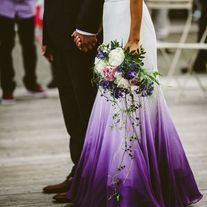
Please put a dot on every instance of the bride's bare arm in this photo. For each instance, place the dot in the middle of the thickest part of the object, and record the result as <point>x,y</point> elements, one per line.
<point>136,7</point>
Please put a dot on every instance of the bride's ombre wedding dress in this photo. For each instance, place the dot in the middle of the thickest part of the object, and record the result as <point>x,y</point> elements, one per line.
<point>159,175</point>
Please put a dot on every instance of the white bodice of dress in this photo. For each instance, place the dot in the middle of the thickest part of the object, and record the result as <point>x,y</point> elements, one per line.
<point>116,26</point>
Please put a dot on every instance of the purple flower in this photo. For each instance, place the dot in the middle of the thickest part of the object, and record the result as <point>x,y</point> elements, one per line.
<point>131,74</point>
<point>150,90</point>
<point>143,87</point>
<point>119,69</point>
<point>133,66</point>
<point>101,54</point>
<point>144,94</point>
<point>104,84</point>
<point>117,93</point>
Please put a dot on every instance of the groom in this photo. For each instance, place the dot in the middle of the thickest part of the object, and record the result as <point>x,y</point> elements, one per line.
<point>66,22</point>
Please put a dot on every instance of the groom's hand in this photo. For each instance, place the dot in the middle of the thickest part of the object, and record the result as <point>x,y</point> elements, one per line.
<point>84,42</point>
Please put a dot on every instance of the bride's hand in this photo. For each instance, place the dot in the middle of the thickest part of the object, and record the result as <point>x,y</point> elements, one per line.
<point>133,46</point>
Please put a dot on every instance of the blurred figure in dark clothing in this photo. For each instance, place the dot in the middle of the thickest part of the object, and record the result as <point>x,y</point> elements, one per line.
<point>20,13</point>
<point>39,24</point>
<point>201,60</point>
<point>162,23</point>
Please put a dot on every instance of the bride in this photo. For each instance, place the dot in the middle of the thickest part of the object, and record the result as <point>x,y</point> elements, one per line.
<point>159,175</point>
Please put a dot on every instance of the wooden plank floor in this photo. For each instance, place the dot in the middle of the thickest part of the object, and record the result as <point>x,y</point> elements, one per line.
<point>34,145</point>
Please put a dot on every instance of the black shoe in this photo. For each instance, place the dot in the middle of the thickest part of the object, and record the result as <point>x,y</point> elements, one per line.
<point>61,198</point>
<point>72,205</point>
<point>52,84</point>
<point>58,188</point>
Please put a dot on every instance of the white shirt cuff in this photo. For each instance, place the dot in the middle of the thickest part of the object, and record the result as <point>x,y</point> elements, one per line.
<point>84,33</point>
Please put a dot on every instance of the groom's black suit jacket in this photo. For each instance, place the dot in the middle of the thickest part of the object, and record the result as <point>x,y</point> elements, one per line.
<point>62,17</point>
<point>73,67</point>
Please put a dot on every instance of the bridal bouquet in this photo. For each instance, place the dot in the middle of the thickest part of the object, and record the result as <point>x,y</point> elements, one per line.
<point>120,75</point>
<point>121,71</point>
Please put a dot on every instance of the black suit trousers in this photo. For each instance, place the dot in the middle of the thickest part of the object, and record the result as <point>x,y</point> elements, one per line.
<point>27,40</point>
<point>73,70</point>
<point>202,55</point>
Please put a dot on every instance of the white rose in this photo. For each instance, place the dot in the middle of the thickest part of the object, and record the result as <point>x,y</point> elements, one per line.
<point>123,83</point>
<point>116,57</point>
<point>100,65</point>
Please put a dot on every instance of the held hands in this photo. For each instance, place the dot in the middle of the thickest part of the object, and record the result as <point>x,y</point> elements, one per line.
<point>84,43</point>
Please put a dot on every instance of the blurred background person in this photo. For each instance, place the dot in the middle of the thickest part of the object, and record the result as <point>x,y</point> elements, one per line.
<point>161,22</point>
<point>38,31</point>
<point>201,60</point>
<point>21,14</point>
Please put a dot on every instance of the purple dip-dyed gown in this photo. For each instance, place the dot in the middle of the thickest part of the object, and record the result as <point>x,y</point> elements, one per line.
<point>159,175</point>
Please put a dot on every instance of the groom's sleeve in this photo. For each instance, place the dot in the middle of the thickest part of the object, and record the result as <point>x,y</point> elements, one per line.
<point>90,16</point>
<point>84,33</point>
<point>45,37</point>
